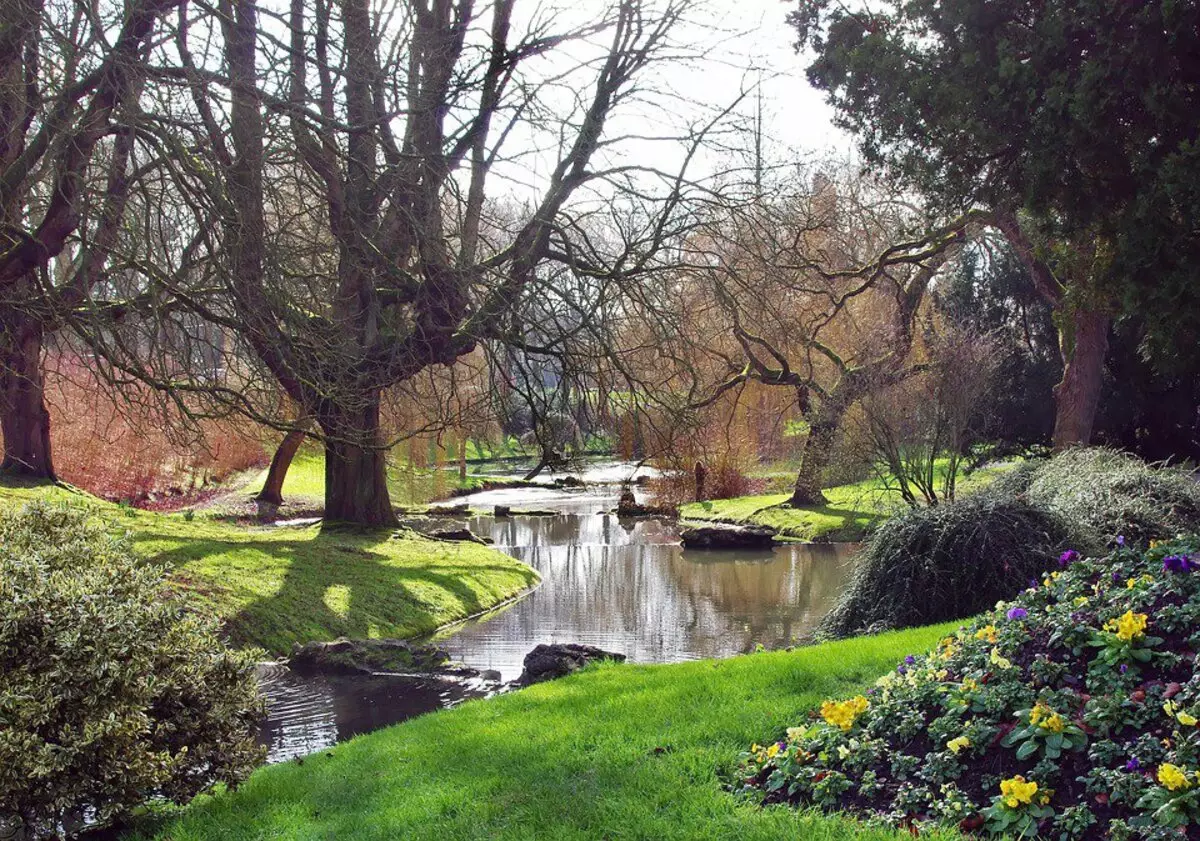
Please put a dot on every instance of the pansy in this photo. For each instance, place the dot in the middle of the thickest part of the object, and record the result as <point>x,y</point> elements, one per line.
<point>957,744</point>
<point>1133,764</point>
<point>1177,563</point>
<point>997,659</point>
<point>842,714</point>
<point>988,633</point>
<point>1128,627</point>
<point>1015,613</point>
<point>1173,777</point>
<point>1016,791</point>
<point>1068,557</point>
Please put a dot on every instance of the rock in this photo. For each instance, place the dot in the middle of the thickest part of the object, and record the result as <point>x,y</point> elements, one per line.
<point>346,656</point>
<point>722,536</point>
<point>569,482</point>
<point>547,662</point>
<point>628,506</point>
<point>462,510</point>
<point>462,534</point>
<point>502,511</point>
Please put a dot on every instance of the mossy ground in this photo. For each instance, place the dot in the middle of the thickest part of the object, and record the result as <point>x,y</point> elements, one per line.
<point>618,752</point>
<point>852,509</point>
<point>276,586</point>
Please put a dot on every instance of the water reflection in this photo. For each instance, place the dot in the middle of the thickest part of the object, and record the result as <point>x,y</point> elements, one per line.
<point>306,714</point>
<point>628,586</point>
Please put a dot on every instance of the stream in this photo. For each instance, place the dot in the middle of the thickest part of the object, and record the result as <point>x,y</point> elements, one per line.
<point>620,584</point>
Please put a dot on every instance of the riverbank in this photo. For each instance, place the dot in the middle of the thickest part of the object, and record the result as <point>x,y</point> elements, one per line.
<point>848,515</point>
<point>272,587</point>
<point>614,752</point>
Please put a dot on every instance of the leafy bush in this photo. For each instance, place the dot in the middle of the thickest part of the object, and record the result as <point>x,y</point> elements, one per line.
<point>1104,493</point>
<point>946,562</point>
<point>1069,713</point>
<point>110,692</point>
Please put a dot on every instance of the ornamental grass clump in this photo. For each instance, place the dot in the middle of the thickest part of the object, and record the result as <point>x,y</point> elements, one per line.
<point>1071,712</point>
<point>111,693</point>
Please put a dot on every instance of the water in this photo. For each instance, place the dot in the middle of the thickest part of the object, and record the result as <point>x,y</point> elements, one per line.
<point>309,713</point>
<point>622,585</point>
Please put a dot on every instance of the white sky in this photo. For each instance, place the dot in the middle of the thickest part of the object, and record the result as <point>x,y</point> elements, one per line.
<point>724,48</point>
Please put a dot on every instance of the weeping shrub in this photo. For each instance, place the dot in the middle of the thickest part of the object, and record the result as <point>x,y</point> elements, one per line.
<point>946,562</point>
<point>1105,494</point>
<point>111,693</point>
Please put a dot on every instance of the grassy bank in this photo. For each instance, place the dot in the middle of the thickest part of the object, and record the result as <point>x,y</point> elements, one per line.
<point>304,487</point>
<point>851,509</point>
<point>618,752</point>
<point>276,586</point>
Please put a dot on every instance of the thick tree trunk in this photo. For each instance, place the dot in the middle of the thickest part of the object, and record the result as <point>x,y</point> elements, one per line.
<point>356,489</point>
<point>1084,345</point>
<point>23,415</point>
<point>272,491</point>
<point>817,452</point>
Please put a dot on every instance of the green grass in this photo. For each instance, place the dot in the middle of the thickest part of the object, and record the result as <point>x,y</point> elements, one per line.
<point>304,486</point>
<point>850,512</point>
<point>616,752</point>
<point>276,586</point>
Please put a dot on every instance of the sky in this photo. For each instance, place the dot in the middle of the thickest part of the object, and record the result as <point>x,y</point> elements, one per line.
<point>723,50</point>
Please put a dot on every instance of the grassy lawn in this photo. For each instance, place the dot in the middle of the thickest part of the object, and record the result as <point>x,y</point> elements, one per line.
<point>616,752</point>
<point>276,586</point>
<point>849,513</point>
<point>304,487</point>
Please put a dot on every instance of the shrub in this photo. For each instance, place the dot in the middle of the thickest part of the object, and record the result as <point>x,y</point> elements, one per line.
<point>929,565</point>
<point>1105,493</point>
<point>1072,712</point>
<point>110,692</point>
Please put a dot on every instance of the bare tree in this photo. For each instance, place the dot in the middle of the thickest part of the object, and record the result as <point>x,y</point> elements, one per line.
<point>70,80</point>
<point>816,291</point>
<point>336,161</point>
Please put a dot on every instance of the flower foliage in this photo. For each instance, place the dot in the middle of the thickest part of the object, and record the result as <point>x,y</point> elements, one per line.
<point>1070,712</point>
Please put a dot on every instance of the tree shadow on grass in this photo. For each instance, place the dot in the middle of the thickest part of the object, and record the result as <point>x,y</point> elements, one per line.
<point>276,592</point>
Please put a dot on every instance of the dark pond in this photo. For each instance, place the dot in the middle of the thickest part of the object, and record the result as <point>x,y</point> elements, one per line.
<point>623,585</point>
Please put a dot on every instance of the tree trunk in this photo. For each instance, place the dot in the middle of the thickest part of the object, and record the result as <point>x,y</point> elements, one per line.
<point>817,453</point>
<point>1084,345</point>
<point>23,415</point>
<point>272,491</point>
<point>356,490</point>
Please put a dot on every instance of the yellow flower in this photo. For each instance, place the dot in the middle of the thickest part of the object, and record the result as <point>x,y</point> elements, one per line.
<point>970,684</point>
<point>843,751</point>
<point>1129,584</point>
<point>772,750</point>
<point>999,660</point>
<point>1080,601</point>
<point>795,734</point>
<point>1173,711</point>
<point>842,714</point>
<point>1016,791</point>
<point>988,633</point>
<point>955,745</point>
<point>1173,777</point>
<point>1128,627</point>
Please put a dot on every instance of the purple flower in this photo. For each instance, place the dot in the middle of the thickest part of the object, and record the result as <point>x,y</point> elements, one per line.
<point>1132,764</point>
<point>1177,563</point>
<point>1121,542</point>
<point>1068,557</point>
<point>1124,668</point>
<point>901,670</point>
<point>1116,577</point>
<point>1015,613</point>
<point>910,659</point>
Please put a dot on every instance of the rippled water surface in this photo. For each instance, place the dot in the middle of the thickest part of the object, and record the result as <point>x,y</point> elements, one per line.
<point>624,585</point>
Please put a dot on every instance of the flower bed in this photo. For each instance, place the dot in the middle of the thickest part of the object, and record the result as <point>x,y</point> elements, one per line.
<point>1070,712</point>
